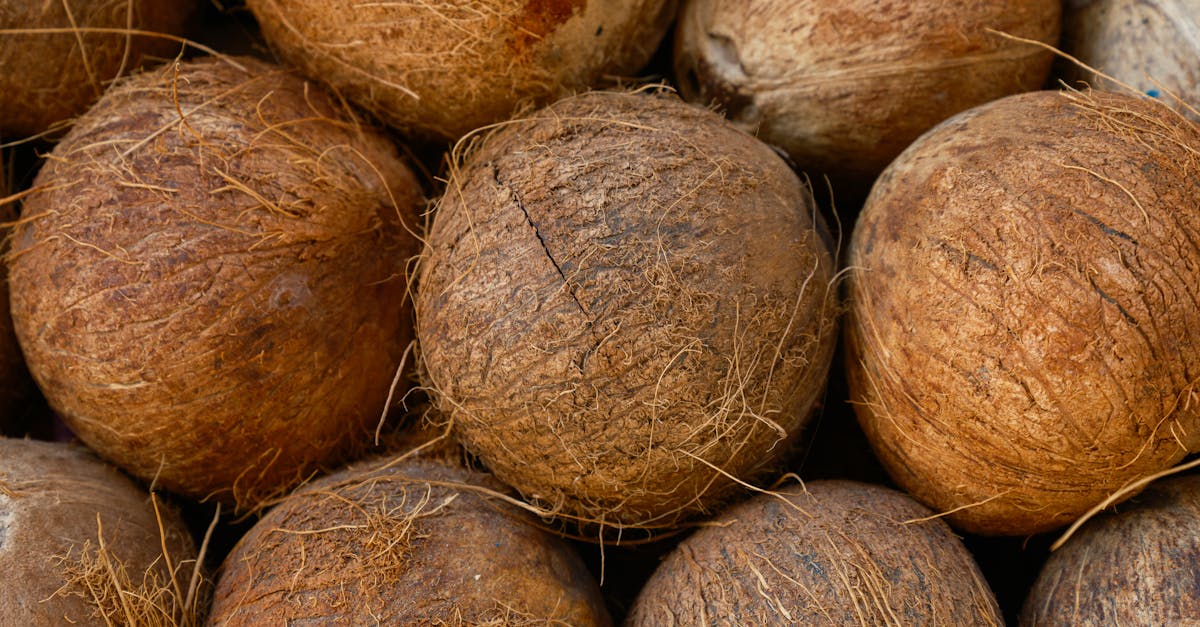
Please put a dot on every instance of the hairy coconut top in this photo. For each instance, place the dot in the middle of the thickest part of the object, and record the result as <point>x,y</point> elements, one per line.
<point>209,284</point>
<point>624,301</point>
<point>403,543</point>
<point>82,544</point>
<point>53,75</point>
<point>440,69</point>
<point>829,553</point>
<point>844,85</point>
<point>1024,334</point>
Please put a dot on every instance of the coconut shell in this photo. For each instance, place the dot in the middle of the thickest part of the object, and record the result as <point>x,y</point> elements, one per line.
<point>50,77</point>
<point>440,69</point>
<point>66,519</point>
<point>625,301</point>
<point>834,553</point>
<point>217,302</point>
<point>1024,336</point>
<point>844,85</point>
<point>417,542</point>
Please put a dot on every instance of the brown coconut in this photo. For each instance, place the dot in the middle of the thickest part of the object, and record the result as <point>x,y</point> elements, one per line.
<point>82,544</point>
<point>624,303</point>
<point>831,553</point>
<point>55,74</point>
<point>418,542</point>
<point>844,85</point>
<point>440,69</point>
<point>1024,336</point>
<point>210,285</point>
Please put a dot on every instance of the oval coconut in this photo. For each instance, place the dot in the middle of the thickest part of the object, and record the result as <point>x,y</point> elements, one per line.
<point>217,302</point>
<point>1136,566</point>
<point>415,542</point>
<point>831,553</point>
<point>54,75</point>
<point>844,85</point>
<point>81,544</point>
<point>440,69</point>
<point>624,302</point>
<point>1024,334</point>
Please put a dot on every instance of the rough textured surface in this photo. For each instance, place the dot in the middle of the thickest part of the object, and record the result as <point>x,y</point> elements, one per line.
<point>403,544</point>
<point>619,296</point>
<point>52,77</point>
<point>836,553</point>
<point>1153,45</point>
<point>55,499</point>
<point>1024,336</point>
<point>440,69</point>
<point>1136,566</point>
<point>217,302</point>
<point>844,85</point>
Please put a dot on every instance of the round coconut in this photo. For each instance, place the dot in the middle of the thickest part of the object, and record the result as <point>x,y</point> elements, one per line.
<point>1152,45</point>
<point>624,304</point>
<point>844,85</point>
<point>440,69</point>
<point>1131,567</point>
<point>60,56</point>
<point>417,542</point>
<point>82,544</point>
<point>209,285</point>
<point>1023,336</point>
<point>833,553</point>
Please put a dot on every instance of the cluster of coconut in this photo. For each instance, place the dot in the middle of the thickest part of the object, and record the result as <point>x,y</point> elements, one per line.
<point>421,298</point>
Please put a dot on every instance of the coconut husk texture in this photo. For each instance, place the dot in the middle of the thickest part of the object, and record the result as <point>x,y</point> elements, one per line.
<point>1134,566</point>
<point>210,285</point>
<point>53,75</point>
<point>82,544</point>
<point>844,85</point>
<point>437,70</point>
<point>1151,45</point>
<point>1024,336</point>
<point>403,543</point>
<point>625,303</point>
<point>829,553</point>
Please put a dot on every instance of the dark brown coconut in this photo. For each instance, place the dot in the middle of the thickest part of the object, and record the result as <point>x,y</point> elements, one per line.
<point>844,85</point>
<point>440,69</point>
<point>624,301</point>
<point>1136,566</point>
<point>216,302</point>
<point>80,544</point>
<point>403,544</point>
<point>836,553</point>
<point>52,76</point>
<point>1024,335</point>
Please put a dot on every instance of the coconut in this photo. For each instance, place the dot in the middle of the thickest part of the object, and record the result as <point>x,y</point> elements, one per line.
<point>209,285</point>
<point>82,544</point>
<point>440,69</point>
<point>625,307</point>
<point>417,542</point>
<point>834,552</point>
<point>1135,566</point>
<point>1024,337</point>
<point>844,85</point>
<point>54,75</point>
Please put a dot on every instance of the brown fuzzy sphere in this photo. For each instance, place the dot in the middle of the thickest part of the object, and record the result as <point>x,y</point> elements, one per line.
<point>619,296</point>
<point>216,302</point>
<point>50,77</point>
<point>1024,335</point>
<point>409,543</point>
<point>80,543</point>
<point>831,553</point>
<point>441,69</point>
<point>844,85</point>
